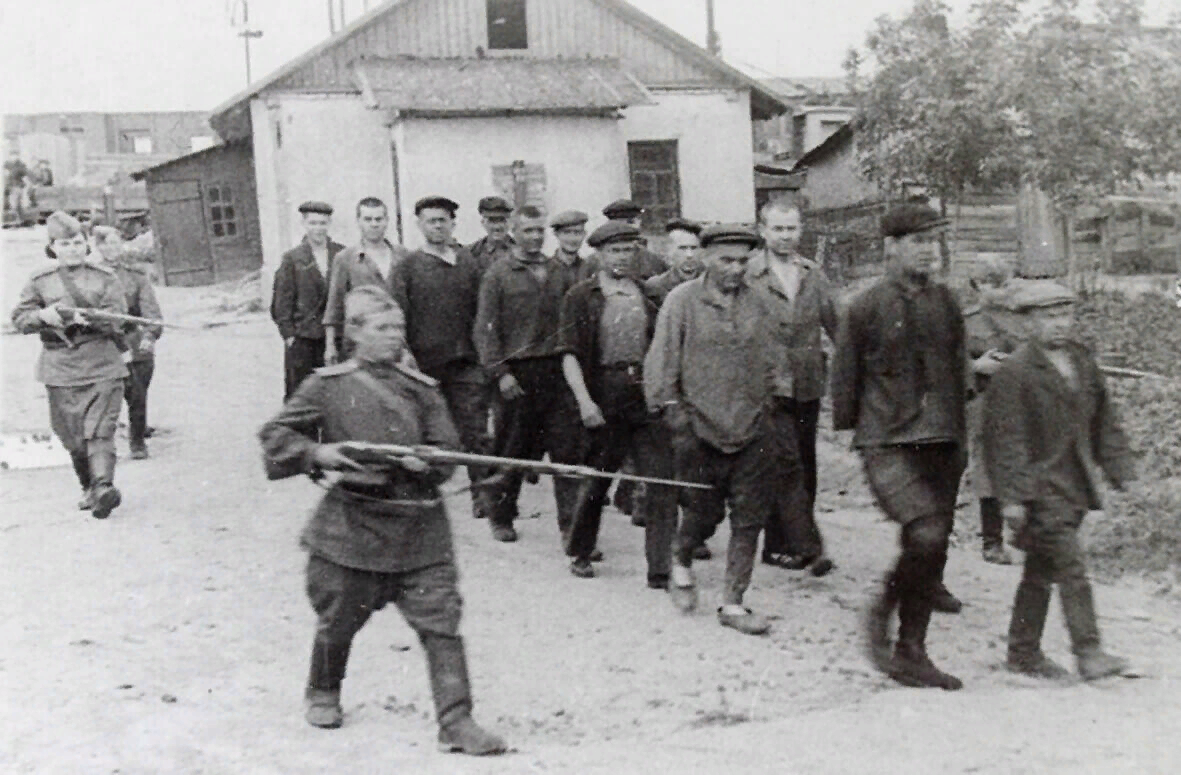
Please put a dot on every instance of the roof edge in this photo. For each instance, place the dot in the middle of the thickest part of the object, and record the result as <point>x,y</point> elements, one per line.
<point>830,144</point>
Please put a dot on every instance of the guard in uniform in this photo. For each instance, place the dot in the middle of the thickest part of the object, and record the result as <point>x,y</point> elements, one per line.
<point>381,534</point>
<point>497,242</point>
<point>80,364</point>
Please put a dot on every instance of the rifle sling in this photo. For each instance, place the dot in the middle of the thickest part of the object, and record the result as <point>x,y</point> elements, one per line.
<point>80,299</point>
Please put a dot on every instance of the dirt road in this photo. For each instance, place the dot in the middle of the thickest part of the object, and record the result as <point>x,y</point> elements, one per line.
<point>173,637</point>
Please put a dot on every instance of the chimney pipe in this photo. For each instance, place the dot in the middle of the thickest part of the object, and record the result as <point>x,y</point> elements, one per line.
<point>713,42</point>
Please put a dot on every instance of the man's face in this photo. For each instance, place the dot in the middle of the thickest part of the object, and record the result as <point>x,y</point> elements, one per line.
<point>373,222</point>
<point>1052,326</point>
<point>381,338</point>
<point>915,253</point>
<point>571,237</point>
<point>437,225</point>
<point>71,251</point>
<point>684,252</point>
<point>496,224</point>
<point>529,233</point>
<point>726,264</point>
<point>619,258</point>
<point>781,230</point>
<point>315,225</point>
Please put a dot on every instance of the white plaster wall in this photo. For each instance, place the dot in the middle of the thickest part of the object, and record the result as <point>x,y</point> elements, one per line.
<point>715,149</point>
<point>585,164</point>
<point>815,132</point>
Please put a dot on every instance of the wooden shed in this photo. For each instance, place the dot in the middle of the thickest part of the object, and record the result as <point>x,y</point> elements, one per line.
<point>204,212</point>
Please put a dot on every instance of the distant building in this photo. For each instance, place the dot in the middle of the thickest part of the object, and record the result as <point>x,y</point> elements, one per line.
<point>819,107</point>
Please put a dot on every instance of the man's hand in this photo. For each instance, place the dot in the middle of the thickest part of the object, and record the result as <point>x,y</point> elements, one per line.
<point>592,416</point>
<point>51,317</point>
<point>147,344</point>
<point>414,465</point>
<point>331,458</point>
<point>989,363</point>
<point>290,341</point>
<point>127,356</point>
<point>1016,516</point>
<point>510,389</point>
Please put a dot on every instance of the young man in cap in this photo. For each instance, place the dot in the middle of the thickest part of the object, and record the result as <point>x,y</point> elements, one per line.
<point>369,262</point>
<point>899,380</point>
<point>648,264</point>
<point>570,230</point>
<point>438,289</point>
<point>707,373</point>
<point>683,258</point>
<point>300,295</point>
<point>800,305</point>
<point>140,355</point>
<point>80,364</point>
<point>381,534</point>
<point>519,344</point>
<point>607,324</point>
<point>497,243</point>
<point>1050,435</point>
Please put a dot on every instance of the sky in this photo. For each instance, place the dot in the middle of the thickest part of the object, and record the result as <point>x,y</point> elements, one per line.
<point>128,55</point>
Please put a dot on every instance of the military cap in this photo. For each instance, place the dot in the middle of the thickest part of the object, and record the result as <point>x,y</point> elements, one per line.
<point>681,224</point>
<point>622,208</point>
<point>62,225</point>
<point>569,218</point>
<point>436,203</point>
<point>368,300</point>
<point>1033,294</point>
<point>727,233</point>
<point>910,218</point>
<point>494,205</point>
<point>313,206</point>
<point>612,231</point>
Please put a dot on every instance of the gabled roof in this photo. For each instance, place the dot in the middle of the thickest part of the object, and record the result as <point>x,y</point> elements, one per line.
<point>765,103</point>
<point>434,88</point>
<point>832,144</point>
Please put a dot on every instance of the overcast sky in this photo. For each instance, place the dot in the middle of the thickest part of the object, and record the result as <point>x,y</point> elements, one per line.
<point>123,55</point>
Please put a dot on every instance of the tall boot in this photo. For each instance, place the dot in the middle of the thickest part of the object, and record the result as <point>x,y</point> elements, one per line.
<point>992,533</point>
<point>447,665</point>
<point>911,666</point>
<point>1026,625</point>
<point>877,624</point>
<point>325,674</point>
<point>1078,608</point>
<point>82,470</point>
<point>101,454</point>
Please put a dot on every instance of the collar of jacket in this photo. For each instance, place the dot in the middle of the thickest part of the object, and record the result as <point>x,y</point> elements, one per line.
<point>361,248</point>
<point>906,285</point>
<point>714,296</point>
<point>520,263</point>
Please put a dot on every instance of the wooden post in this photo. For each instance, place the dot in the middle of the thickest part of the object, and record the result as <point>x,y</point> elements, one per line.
<point>109,209</point>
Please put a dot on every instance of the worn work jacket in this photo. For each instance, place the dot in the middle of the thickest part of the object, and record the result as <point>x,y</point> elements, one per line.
<point>141,302</point>
<point>800,362</point>
<point>92,353</point>
<point>488,251</point>
<point>658,287</point>
<point>396,526</point>
<point>301,292</point>
<point>351,268</point>
<point>1046,442</point>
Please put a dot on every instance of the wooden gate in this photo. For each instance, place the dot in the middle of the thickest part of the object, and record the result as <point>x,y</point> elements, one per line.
<point>178,219</point>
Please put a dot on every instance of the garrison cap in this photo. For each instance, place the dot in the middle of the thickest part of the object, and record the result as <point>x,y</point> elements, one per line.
<point>436,203</point>
<point>366,301</point>
<point>727,233</point>
<point>494,205</point>
<point>612,231</point>
<point>681,224</point>
<point>910,218</point>
<point>622,208</point>
<point>1033,294</point>
<point>315,206</point>
<point>569,218</point>
<point>62,225</point>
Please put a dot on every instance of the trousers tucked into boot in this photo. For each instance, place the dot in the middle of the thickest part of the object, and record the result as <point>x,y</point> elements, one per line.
<point>447,666</point>
<point>81,463</point>
<point>101,457</point>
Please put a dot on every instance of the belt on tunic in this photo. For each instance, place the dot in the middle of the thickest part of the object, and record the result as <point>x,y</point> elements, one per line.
<point>632,369</point>
<point>52,341</point>
<point>394,494</point>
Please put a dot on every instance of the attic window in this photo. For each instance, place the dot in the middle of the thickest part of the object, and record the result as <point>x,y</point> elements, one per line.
<point>506,25</point>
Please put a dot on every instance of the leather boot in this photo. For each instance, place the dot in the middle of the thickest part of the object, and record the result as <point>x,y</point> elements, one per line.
<point>943,601</point>
<point>82,471</point>
<point>1078,608</point>
<point>328,664</point>
<point>1027,623</point>
<point>910,665</point>
<point>101,455</point>
<point>458,732</point>
<point>877,625</point>
<point>322,708</point>
<point>1096,664</point>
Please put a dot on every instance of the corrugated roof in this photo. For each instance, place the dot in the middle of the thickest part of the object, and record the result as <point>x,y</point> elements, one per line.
<point>497,86</point>
<point>799,88</point>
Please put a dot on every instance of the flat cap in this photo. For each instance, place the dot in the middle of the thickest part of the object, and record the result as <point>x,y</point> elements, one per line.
<point>681,224</point>
<point>612,231</point>
<point>316,206</point>
<point>569,218</point>
<point>1032,294</point>
<point>725,233</point>
<point>436,203</point>
<point>365,301</point>
<point>910,218</point>
<point>622,208</point>
<point>61,225</point>
<point>494,205</point>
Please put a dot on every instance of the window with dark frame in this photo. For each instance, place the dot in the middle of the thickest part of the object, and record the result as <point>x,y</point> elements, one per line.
<point>507,28</point>
<point>223,220</point>
<point>655,180</point>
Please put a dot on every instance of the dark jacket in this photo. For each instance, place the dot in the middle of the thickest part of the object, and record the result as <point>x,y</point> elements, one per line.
<point>141,302</point>
<point>1045,442</point>
<point>301,291</point>
<point>352,268</point>
<point>440,303</point>
<point>900,369</point>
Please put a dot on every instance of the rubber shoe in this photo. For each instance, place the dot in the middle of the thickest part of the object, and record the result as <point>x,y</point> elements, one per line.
<point>582,569</point>
<point>1099,664</point>
<point>745,621</point>
<point>106,501</point>
<point>504,533</point>
<point>1039,666</point>
<point>996,554</point>
<point>702,553</point>
<point>323,708</point>
<point>943,601</point>
<point>912,667</point>
<point>466,736</point>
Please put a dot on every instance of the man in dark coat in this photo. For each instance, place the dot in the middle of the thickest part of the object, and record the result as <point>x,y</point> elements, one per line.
<point>301,293</point>
<point>1050,434</point>
<point>497,242</point>
<point>381,534</point>
<point>899,380</point>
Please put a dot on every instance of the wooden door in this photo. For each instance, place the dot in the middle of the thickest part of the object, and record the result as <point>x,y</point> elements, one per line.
<point>178,219</point>
<point>655,181</point>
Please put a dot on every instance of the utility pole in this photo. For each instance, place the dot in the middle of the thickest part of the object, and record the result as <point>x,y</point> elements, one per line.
<point>247,35</point>
<point>331,18</point>
<point>713,42</point>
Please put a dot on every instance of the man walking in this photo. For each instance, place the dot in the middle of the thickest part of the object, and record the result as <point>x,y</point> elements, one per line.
<point>899,382</point>
<point>799,304</point>
<point>369,262</point>
<point>438,289</point>
<point>497,242</point>
<point>519,345</point>
<point>300,296</point>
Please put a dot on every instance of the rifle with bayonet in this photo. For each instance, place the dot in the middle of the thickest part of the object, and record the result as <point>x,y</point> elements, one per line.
<point>366,453</point>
